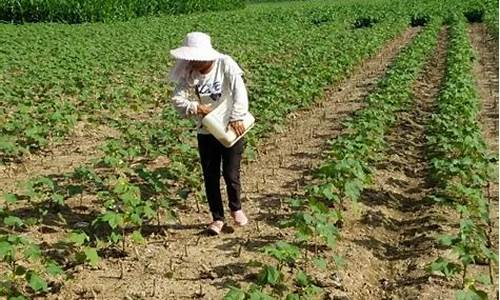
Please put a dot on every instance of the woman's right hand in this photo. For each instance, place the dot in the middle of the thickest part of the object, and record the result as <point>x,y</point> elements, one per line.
<point>204,109</point>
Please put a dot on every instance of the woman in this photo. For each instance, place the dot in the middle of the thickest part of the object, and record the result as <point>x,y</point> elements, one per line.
<point>213,78</point>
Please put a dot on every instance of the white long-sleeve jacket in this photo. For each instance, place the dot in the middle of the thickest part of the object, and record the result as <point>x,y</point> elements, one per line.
<point>223,82</point>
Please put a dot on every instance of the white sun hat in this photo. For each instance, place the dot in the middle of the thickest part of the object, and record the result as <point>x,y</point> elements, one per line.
<point>197,46</point>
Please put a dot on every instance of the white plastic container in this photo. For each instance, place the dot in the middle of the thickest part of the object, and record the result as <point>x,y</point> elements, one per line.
<point>216,122</point>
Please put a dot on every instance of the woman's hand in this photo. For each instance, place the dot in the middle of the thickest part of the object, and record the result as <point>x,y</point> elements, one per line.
<point>238,127</point>
<point>204,109</point>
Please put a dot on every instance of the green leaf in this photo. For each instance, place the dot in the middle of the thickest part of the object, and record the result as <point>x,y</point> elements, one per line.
<point>37,283</point>
<point>339,261</point>
<point>302,279</point>
<point>18,298</point>
<point>7,146</point>
<point>17,240</point>
<point>30,221</point>
<point>115,238</point>
<point>74,190</point>
<point>13,221</point>
<point>320,263</point>
<point>270,275</point>
<point>78,238</point>
<point>446,240</point>
<point>292,297</point>
<point>10,198</point>
<point>131,197</point>
<point>484,279</point>
<point>53,269</point>
<point>259,295</point>
<point>352,189</point>
<point>302,236</point>
<point>235,294</point>
<point>137,237</point>
<point>471,293</point>
<point>135,218</point>
<point>58,199</point>
<point>444,268</point>
<point>282,251</point>
<point>311,291</point>
<point>327,192</point>
<point>113,219</point>
<point>91,256</point>
<point>32,252</point>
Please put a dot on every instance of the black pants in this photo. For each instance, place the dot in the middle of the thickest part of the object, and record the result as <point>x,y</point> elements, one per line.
<point>212,153</point>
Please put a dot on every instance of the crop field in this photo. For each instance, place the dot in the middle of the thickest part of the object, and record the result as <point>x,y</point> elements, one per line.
<point>371,173</point>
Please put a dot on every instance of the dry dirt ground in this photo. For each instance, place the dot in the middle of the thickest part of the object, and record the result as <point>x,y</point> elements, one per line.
<point>186,264</point>
<point>78,148</point>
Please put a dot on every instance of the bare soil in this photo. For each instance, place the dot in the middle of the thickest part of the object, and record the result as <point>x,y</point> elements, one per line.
<point>80,147</point>
<point>181,262</point>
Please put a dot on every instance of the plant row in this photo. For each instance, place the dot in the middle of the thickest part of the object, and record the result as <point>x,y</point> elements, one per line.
<point>491,18</point>
<point>75,11</point>
<point>462,166</point>
<point>318,217</point>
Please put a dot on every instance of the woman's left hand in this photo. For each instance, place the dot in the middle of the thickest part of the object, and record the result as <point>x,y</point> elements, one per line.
<point>238,127</point>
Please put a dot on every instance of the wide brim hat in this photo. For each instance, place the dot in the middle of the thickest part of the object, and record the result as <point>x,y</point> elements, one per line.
<point>197,46</point>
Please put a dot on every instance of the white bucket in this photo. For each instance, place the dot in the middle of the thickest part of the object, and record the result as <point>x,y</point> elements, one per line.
<point>216,122</point>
